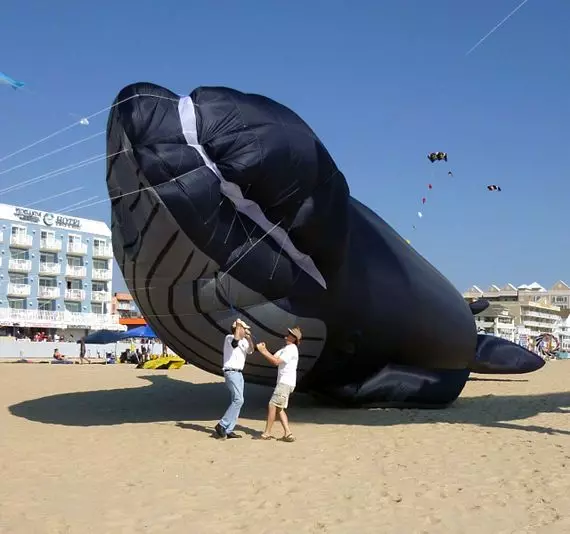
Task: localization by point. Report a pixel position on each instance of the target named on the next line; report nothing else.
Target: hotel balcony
(50, 268)
(100, 296)
(105, 252)
(50, 245)
(20, 266)
(74, 294)
(101, 274)
(75, 271)
(77, 248)
(19, 290)
(21, 240)
(53, 319)
(48, 292)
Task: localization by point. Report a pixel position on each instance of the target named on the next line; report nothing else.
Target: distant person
(82, 352)
(286, 360)
(237, 346)
(59, 357)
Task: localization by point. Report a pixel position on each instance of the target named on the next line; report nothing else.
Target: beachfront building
(55, 273)
(531, 306)
(126, 308)
(558, 294)
(496, 320)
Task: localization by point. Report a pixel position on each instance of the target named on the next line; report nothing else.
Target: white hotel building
(523, 312)
(56, 273)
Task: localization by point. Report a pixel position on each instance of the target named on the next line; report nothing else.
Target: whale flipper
(495, 355)
(478, 306)
(399, 386)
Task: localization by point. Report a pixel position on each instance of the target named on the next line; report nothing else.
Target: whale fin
(478, 306)
(400, 386)
(495, 355)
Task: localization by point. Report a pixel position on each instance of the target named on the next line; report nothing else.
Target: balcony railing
(76, 248)
(50, 268)
(100, 296)
(52, 319)
(21, 266)
(101, 274)
(53, 245)
(102, 251)
(19, 290)
(74, 294)
(21, 240)
(76, 271)
(48, 292)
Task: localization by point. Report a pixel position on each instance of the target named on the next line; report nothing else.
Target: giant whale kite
(227, 204)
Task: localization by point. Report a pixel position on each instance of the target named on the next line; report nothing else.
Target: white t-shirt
(287, 370)
(235, 358)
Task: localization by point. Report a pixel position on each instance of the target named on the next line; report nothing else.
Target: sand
(115, 449)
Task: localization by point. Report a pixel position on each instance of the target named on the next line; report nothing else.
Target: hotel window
(48, 257)
(74, 261)
(97, 307)
(47, 236)
(19, 231)
(74, 284)
(98, 286)
(47, 282)
(17, 304)
(73, 307)
(16, 278)
(46, 305)
(74, 238)
(16, 254)
(100, 265)
(99, 243)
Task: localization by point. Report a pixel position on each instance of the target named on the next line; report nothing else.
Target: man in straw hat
(237, 346)
(286, 360)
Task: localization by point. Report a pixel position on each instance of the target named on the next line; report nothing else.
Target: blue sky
(381, 82)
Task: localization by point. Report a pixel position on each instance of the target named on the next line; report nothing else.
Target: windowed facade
(57, 264)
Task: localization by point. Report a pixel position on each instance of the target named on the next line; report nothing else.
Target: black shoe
(220, 431)
(233, 435)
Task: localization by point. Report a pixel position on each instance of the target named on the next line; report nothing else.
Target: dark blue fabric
(385, 307)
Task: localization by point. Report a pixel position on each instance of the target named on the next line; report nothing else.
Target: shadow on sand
(170, 400)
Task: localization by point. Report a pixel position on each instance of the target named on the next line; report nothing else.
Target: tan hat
(295, 332)
(239, 322)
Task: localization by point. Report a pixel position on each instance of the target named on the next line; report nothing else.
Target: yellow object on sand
(164, 362)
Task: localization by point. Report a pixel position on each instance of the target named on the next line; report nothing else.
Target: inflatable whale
(227, 204)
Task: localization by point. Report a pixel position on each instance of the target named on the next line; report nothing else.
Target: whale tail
(495, 355)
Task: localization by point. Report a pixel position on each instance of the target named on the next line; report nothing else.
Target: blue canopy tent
(141, 331)
(103, 337)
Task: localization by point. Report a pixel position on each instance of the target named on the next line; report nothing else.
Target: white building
(55, 273)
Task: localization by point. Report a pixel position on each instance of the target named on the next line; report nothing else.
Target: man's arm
(250, 346)
(275, 360)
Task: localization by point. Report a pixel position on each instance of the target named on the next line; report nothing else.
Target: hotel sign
(49, 219)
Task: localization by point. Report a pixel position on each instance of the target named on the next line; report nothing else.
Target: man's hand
(261, 347)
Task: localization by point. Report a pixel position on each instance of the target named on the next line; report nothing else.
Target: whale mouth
(245, 206)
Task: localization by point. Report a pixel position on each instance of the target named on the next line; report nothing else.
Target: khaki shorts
(280, 397)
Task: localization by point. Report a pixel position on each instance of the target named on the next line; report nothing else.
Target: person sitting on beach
(237, 346)
(58, 355)
(286, 359)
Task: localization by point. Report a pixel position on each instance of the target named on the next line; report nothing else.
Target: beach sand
(113, 449)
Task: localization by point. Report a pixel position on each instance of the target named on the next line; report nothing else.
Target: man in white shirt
(286, 360)
(237, 346)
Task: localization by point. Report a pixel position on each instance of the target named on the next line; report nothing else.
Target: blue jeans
(234, 381)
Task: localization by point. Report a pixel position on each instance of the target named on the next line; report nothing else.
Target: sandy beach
(115, 449)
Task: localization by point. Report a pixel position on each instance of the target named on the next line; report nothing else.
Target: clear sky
(381, 82)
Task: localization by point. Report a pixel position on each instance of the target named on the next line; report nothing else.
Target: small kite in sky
(6, 80)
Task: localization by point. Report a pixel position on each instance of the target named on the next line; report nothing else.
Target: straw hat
(239, 322)
(295, 332)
